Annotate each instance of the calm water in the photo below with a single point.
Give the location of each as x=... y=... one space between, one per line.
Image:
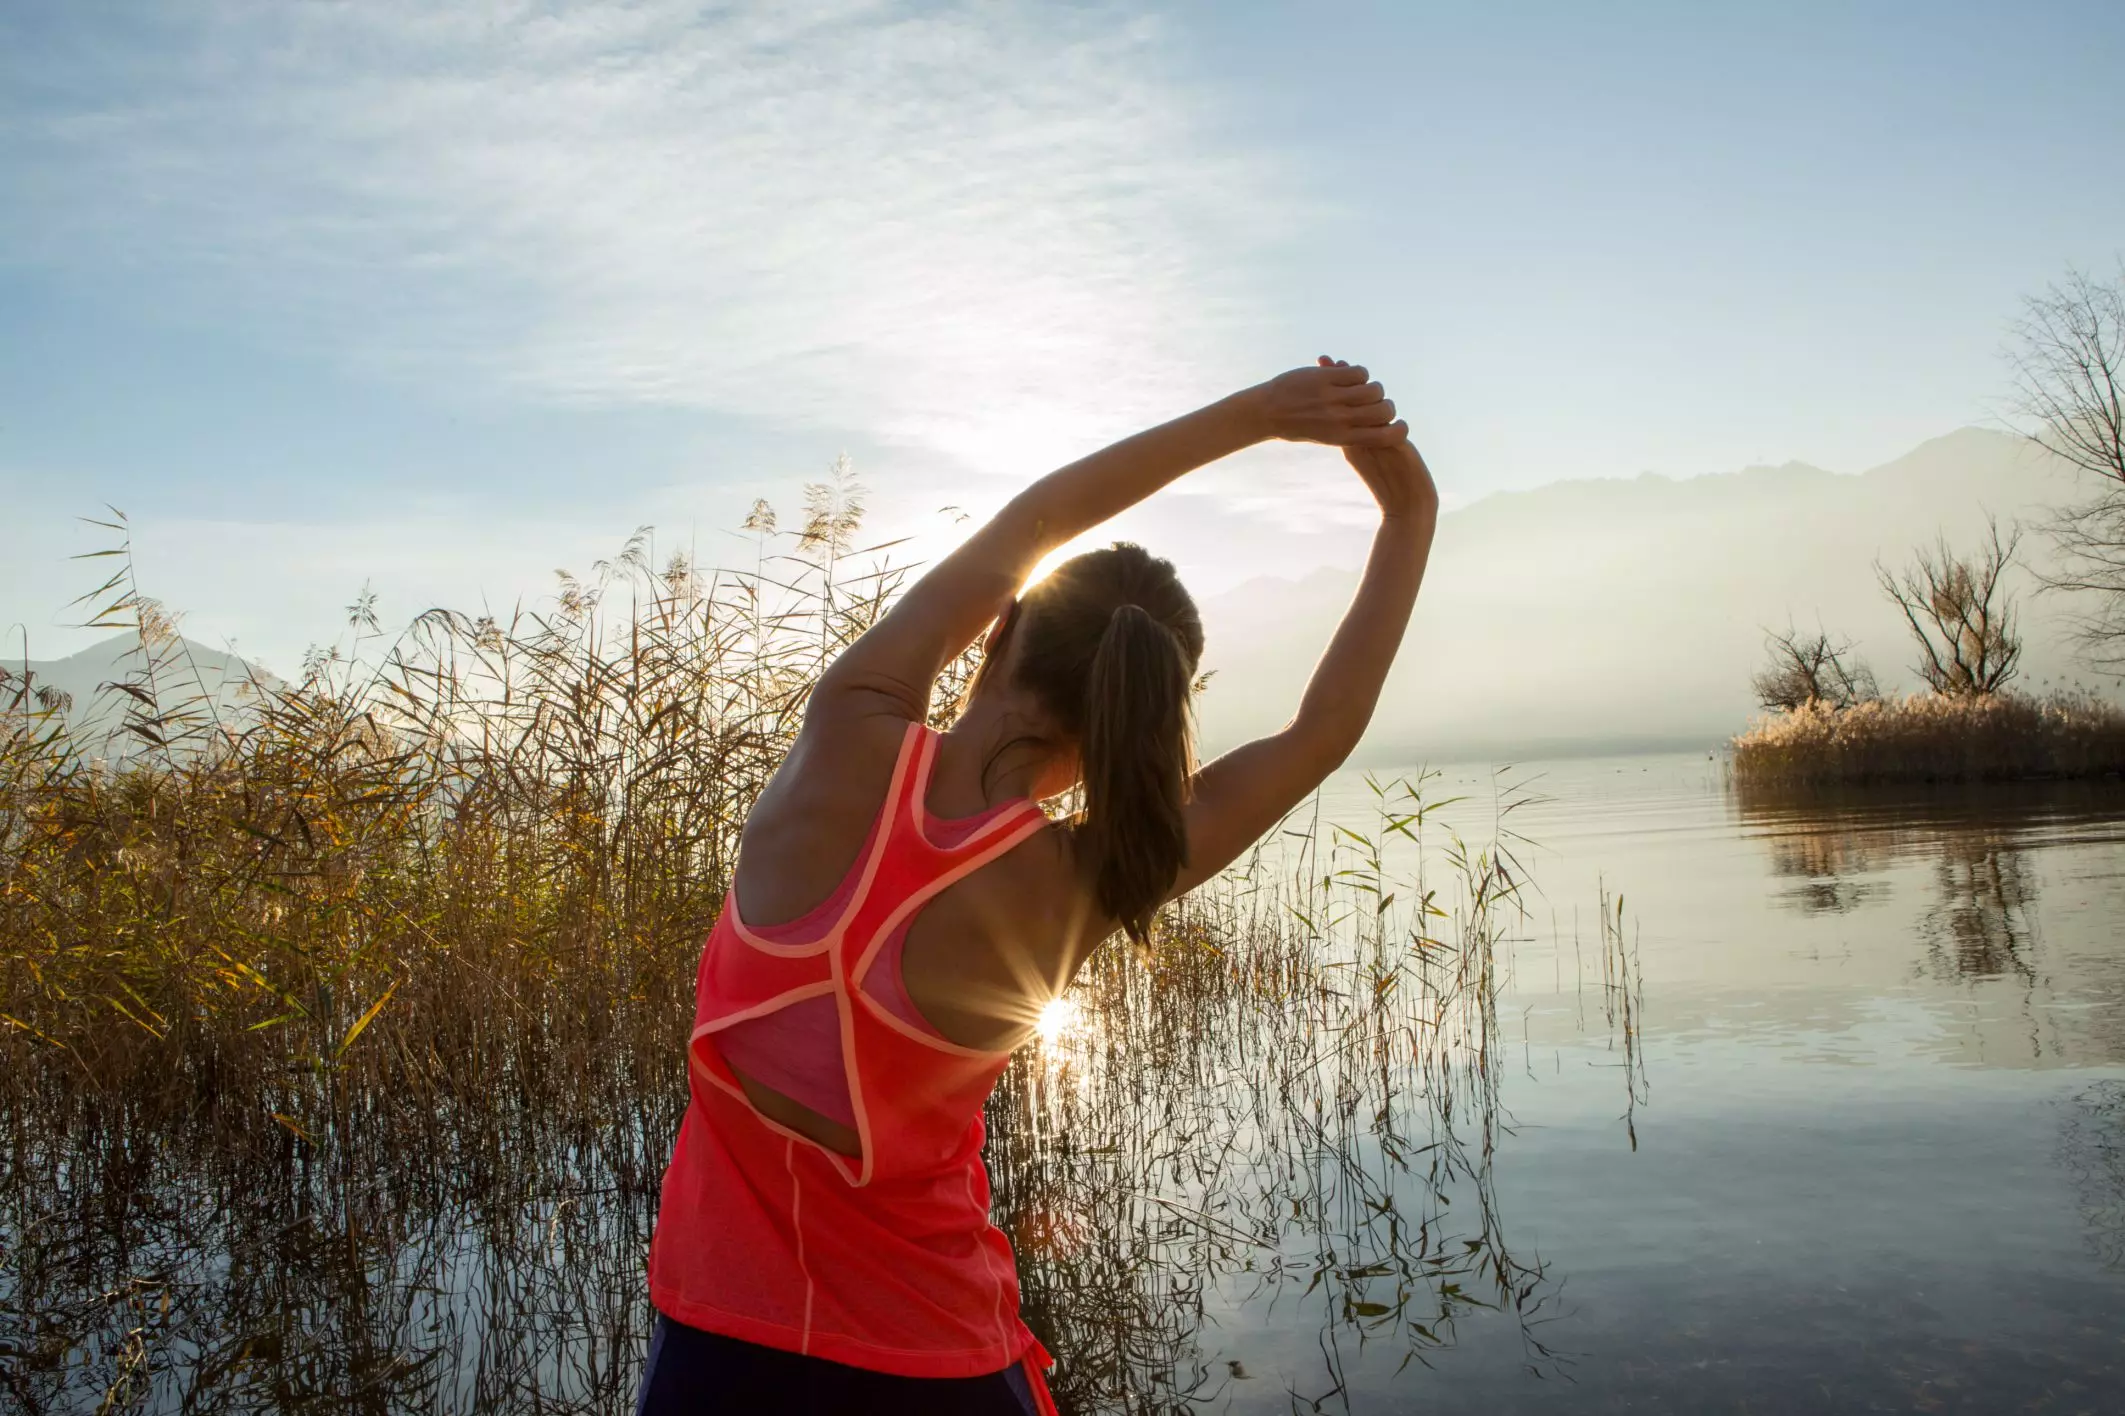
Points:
x=1876 y=1158
x=1823 y=1109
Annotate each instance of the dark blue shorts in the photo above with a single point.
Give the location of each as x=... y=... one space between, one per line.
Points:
x=695 y=1373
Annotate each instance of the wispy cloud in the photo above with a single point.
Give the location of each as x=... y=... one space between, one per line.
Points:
x=988 y=230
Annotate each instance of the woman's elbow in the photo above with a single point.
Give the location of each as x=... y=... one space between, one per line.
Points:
x=1323 y=742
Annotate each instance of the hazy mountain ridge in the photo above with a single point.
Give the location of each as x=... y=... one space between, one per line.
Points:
x=1585 y=615
x=187 y=670
x=1627 y=613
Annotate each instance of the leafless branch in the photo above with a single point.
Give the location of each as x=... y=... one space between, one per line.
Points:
x=1963 y=621
x=2068 y=358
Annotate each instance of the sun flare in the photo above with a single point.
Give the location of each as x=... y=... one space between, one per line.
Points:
x=1057 y=1016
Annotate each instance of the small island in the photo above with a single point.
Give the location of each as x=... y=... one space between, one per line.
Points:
x=1829 y=722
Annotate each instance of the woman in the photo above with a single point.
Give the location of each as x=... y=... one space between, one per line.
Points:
x=902 y=909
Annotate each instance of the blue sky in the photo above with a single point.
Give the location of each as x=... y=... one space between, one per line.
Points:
x=442 y=297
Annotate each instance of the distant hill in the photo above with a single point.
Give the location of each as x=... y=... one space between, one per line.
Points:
x=190 y=669
x=1625 y=614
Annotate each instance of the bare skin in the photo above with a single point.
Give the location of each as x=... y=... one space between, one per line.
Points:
x=984 y=956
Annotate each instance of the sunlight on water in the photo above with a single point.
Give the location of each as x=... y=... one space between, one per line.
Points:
x=1057 y=1017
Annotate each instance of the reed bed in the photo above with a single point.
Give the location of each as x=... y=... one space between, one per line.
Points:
x=481 y=856
x=1296 y=1102
x=341 y=1037
x=1931 y=737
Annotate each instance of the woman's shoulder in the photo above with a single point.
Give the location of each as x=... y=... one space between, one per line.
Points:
x=845 y=761
x=810 y=821
x=1038 y=886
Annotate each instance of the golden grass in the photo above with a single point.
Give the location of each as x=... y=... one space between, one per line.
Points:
x=342 y=1037
x=482 y=855
x=1930 y=737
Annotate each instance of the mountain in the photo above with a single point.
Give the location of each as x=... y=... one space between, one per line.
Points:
x=1624 y=614
x=188 y=669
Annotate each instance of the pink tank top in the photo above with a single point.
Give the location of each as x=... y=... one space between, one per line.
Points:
x=797 y=1050
x=886 y=1259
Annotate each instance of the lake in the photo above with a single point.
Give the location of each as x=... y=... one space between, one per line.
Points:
x=1877 y=1159
x=1677 y=1102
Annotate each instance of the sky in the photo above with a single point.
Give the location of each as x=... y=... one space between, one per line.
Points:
x=441 y=298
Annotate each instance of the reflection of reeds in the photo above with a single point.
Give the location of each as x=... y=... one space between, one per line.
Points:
x=1623 y=1005
x=1298 y=1099
x=1935 y=738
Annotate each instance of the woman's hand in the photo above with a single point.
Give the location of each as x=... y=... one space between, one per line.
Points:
x=1398 y=479
x=1333 y=403
x=1393 y=469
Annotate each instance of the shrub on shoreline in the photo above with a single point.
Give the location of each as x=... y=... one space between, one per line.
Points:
x=1930 y=737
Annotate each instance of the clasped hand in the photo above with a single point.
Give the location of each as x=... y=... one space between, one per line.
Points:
x=1338 y=403
x=1331 y=402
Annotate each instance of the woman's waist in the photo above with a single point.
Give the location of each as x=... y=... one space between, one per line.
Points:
x=908 y=1263
x=936 y=1200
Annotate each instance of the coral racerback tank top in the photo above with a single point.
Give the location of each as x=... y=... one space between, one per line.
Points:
x=885 y=1260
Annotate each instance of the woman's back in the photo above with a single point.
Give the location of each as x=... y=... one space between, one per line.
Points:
x=965 y=952
x=881 y=1254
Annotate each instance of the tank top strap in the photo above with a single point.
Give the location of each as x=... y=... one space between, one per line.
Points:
x=904 y=813
x=909 y=820
x=912 y=867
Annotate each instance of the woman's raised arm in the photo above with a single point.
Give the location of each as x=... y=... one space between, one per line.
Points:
x=892 y=667
x=1248 y=790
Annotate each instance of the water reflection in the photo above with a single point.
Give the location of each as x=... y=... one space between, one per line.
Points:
x=1983 y=920
x=1837 y=853
x=2092 y=1151
x=1297 y=1112
x=491 y=1266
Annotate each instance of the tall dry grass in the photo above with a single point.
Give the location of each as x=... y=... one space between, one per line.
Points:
x=478 y=857
x=1930 y=737
x=1296 y=1105
x=342 y=1032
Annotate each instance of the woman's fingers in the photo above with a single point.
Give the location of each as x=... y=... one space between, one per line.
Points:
x=1329 y=402
x=1387 y=435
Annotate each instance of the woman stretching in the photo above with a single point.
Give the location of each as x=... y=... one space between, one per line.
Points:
x=903 y=908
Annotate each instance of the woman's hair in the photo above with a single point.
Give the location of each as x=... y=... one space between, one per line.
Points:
x=1108 y=643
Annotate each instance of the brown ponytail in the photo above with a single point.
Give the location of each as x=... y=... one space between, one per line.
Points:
x=1110 y=642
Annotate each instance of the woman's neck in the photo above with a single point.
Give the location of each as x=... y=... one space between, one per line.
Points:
x=999 y=752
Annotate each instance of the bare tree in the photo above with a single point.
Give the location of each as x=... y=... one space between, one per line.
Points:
x=2068 y=356
x=1812 y=668
x=1969 y=643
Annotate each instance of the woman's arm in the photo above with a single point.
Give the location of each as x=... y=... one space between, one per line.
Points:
x=1248 y=790
x=895 y=663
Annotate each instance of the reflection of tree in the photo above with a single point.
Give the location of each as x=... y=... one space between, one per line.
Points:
x=1983 y=923
x=1826 y=864
x=2092 y=1150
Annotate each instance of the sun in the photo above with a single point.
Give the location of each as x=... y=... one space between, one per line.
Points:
x=1057 y=1016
